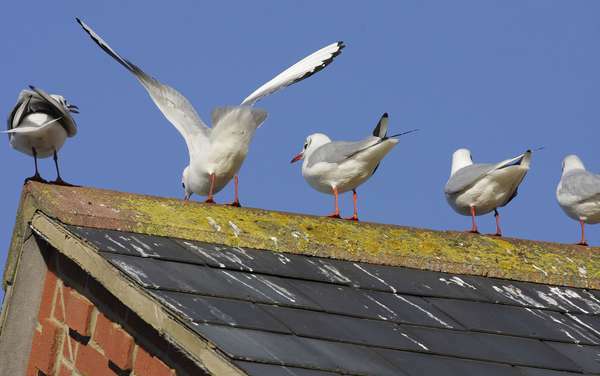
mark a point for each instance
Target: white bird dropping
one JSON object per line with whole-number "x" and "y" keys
{"x": 38, "y": 126}
{"x": 578, "y": 193}
{"x": 477, "y": 189}
{"x": 217, "y": 153}
{"x": 336, "y": 167}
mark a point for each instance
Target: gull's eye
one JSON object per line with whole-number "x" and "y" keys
{"x": 305, "y": 145}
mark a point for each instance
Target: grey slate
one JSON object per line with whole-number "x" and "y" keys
{"x": 206, "y": 309}
{"x": 511, "y": 320}
{"x": 275, "y": 370}
{"x": 275, "y": 313}
{"x": 587, "y": 357}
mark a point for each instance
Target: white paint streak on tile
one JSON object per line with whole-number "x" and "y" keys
{"x": 565, "y": 297}
{"x": 278, "y": 289}
{"x": 204, "y": 253}
{"x": 332, "y": 272}
{"x": 110, "y": 239}
{"x": 243, "y": 252}
{"x": 376, "y": 277}
{"x": 381, "y": 305}
{"x": 414, "y": 341}
{"x": 283, "y": 258}
{"x": 249, "y": 286}
{"x": 455, "y": 280}
{"x": 578, "y": 320}
{"x": 426, "y": 312}
{"x": 516, "y": 294}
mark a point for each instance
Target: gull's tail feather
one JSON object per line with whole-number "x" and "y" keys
{"x": 382, "y": 126}
{"x": 403, "y": 133}
{"x": 520, "y": 160}
{"x": 297, "y": 72}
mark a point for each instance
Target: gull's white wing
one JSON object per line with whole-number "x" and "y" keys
{"x": 297, "y": 72}
{"x": 174, "y": 106}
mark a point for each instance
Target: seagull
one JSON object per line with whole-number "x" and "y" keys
{"x": 336, "y": 167}
{"x": 477, "y": 189}
{"x": 578, "y": 193}
{"x": 216, "y": 154}
{"x": 38, "y": 126}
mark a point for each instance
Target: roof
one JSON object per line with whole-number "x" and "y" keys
{"x": 267, "y": 293}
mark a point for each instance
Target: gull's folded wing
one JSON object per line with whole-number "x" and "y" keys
{"x": 469, "y": 175}
{"x": 174, "y": 106}
{"x": 297, "y": 72}
{"x": 581, "y": 184}
{"x": 27, "y": 129}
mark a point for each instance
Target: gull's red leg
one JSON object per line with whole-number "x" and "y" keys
{"x": 582, "y": 242}
{"x": 354, "y": 199}
{"x": 236, "y": 201}
{"x": 336, "y": 213}
{"x": 498, "y": 230}
{"x": 474, "y": 229}
{"x": 209, "y": 199}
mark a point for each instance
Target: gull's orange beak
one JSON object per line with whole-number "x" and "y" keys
{"x": 298, "y": 157}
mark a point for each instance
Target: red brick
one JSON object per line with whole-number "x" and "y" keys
{"x": 148, "y": 365}
{"x": 92, "y": 363}
{"x": 47, "y": 296}
{"x": 116, "y": 343}
{"x": 45, "y": 346}
{"x": 78, "y": 311}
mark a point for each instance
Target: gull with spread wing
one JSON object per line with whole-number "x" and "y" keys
{"x": 38, "y": 126}
{"x": 336, "y": 167}
{"x": 477, "y": 189}
{"x": 578, "y": 193}
{"x": 216, "y": 154}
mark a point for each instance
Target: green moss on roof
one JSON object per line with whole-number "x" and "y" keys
{"x": 447, "y": 251}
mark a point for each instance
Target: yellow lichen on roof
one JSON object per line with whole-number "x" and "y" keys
{"x": 452, "y": 252}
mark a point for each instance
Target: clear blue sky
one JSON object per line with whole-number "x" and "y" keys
{"x": 497, "y": 77}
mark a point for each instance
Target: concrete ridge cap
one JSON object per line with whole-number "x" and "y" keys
{"x": 446, "y": 251}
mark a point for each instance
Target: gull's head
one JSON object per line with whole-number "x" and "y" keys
{"x": 461, "y": 158}
{"x": 185, "y": 184}
{"x": 572, "y": 162}
{"x": 311, "y": 144}
{"x": 63, "y": 101}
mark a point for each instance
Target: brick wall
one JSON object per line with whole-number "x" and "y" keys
{"x": 73, "y": 337}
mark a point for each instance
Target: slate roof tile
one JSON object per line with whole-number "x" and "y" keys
{"x": 275, "y": 313}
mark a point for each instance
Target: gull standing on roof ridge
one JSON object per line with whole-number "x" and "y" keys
{"x": 216, "y": 154}
{"x": 477, "y": 189}
{"x": 578, "y": 193}
{"x": 38, "y": 126}
{"x": 336, "y": 167}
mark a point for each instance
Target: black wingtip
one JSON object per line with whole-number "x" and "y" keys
{"x": 385, "y": 115}
{"x": 341, "y": 44}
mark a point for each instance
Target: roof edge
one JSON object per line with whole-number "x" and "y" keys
{"x": 133, "y": 296}
{"x": 444, "y": 251}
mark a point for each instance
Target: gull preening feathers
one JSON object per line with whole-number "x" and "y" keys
{"x": 336, "y": 167}
{"x": 216, "y": 154}
{"x": 578, "y": 193}
{"x": 38, "y": 126}
{"x": 477, "y": 189}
